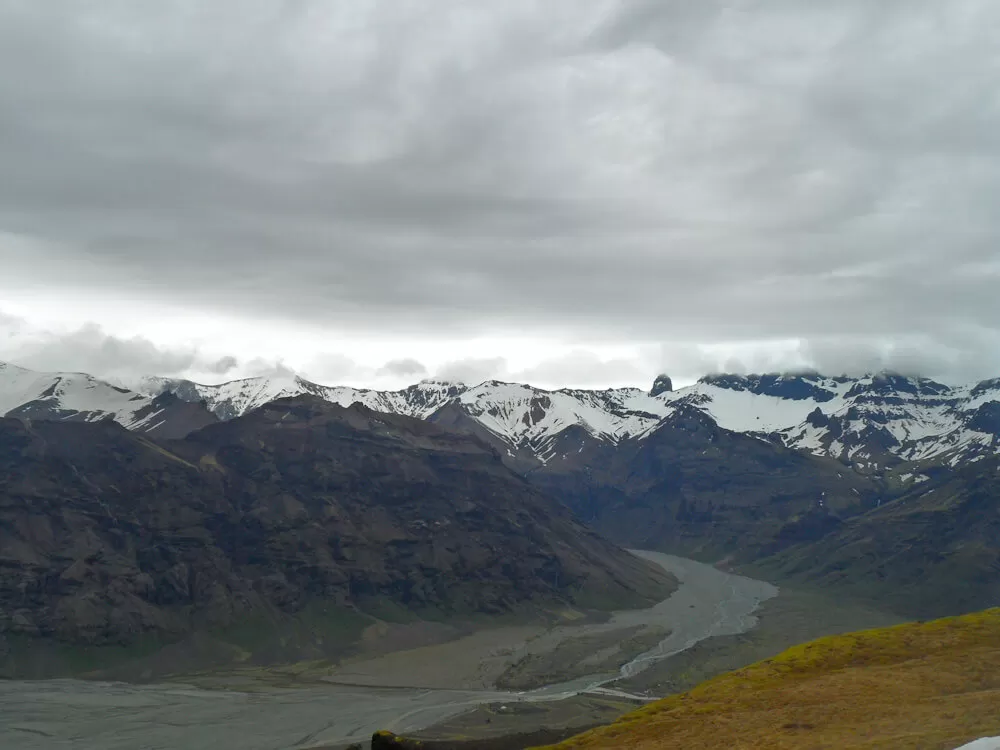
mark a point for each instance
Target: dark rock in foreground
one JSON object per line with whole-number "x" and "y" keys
{"x": 388, "y": 741}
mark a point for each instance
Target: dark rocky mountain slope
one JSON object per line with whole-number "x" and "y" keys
{"x": 164, "y": 417}
{"x": 934, "y": 550}
{"x": 107, "y": 536}
{"x": 692, "y": 487}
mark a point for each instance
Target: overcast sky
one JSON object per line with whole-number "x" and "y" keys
{"x": 569, "y": 192}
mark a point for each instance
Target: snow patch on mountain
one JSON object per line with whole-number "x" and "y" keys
{"x": 73, "y": 393}
{"x": 71, "y": 396}
{"x": 237, "y": 397}
{"x": 747, "y": 411}
{"x": 525, "y": 414}
{"x": 910, "y": 419}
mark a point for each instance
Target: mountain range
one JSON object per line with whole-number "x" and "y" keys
{"x": 874, "y": 423}
{"x": 883, "y": 484}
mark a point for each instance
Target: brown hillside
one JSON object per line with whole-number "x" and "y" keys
{"x": 926, "y": 686}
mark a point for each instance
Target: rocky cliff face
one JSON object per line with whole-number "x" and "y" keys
{"x": 106, "y": 535}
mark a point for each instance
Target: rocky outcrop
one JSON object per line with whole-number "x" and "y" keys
{"x": 662, "y": 384}
{"x": 385, "y": 740}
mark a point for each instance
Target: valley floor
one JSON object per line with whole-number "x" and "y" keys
{"x": 792, "y": 617}
{"x": 404, "y": 691}
{"x": 708, "y": 603}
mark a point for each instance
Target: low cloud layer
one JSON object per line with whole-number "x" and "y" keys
{"x": 91, "y": 349}
{"x": 716, "y": 178}
{"x": 965, "y": 357}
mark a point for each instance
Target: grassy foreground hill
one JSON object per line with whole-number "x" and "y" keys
{"x": 926, "y": 686}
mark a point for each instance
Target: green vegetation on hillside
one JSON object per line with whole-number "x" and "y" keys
{"x": 928, "y": 685}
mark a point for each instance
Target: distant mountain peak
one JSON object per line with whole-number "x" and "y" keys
{"x": 662, "y": 384}
{"x": 79, "y": 397}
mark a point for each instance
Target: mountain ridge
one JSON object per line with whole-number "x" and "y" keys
{"x": 872, "y": 423}
{"x": 79, "y": 397}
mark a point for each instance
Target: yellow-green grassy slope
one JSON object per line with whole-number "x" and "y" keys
{"x": 931, "y": 686}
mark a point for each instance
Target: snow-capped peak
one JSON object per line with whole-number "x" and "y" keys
{"x": 80, "y": 397}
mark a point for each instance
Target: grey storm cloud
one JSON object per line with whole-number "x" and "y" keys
{"x": 653, "y": 170}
